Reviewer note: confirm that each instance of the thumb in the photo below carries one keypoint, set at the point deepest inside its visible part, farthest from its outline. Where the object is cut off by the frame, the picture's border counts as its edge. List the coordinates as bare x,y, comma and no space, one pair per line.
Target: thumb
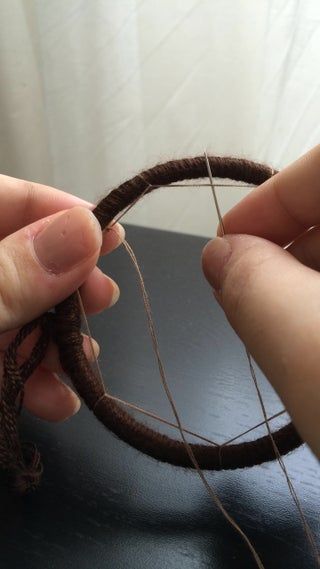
43,263
273,303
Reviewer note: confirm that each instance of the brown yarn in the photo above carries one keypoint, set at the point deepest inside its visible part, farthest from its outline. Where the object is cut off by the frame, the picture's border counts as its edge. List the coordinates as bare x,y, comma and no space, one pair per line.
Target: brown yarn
21,460
65,328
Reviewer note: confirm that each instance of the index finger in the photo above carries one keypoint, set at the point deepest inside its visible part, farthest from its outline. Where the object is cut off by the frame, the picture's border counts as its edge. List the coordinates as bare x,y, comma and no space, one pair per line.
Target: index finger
23,203
284,206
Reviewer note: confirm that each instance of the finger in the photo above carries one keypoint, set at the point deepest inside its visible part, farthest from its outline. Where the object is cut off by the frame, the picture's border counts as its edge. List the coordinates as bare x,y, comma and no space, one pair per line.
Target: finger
98,292
112,238
45,262
48,398
307,248
272,302
51,360
23,203
284,206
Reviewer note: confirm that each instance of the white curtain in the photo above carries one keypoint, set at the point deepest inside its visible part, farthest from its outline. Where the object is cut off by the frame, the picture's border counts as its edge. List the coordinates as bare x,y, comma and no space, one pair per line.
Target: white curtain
92,92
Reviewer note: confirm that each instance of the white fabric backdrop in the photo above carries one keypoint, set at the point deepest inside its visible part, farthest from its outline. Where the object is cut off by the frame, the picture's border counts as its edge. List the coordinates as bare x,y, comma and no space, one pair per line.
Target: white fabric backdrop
91,92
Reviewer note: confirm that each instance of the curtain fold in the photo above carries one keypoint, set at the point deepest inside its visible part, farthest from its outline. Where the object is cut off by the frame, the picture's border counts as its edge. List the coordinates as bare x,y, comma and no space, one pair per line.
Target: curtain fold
91,92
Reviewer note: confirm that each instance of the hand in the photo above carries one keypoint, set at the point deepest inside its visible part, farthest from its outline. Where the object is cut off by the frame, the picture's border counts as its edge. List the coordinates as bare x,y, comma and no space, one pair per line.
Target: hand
271,296
50,246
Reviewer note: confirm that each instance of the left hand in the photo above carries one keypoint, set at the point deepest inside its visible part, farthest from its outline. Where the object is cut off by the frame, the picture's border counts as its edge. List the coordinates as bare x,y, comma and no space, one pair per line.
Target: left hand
29,286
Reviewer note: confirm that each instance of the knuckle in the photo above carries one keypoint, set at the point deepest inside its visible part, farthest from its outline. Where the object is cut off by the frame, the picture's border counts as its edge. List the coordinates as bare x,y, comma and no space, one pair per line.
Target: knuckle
242,281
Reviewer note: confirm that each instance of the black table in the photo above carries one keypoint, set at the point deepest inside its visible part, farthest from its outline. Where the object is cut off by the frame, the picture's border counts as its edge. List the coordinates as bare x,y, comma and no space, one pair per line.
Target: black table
104,505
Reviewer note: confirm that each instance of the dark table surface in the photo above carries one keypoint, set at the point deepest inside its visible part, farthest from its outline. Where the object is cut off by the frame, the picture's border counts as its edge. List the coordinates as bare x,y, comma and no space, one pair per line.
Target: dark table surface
104,505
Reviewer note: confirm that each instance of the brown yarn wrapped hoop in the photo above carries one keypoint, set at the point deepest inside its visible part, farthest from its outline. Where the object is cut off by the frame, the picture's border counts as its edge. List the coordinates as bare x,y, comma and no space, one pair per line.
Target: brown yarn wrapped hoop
73,360
64,326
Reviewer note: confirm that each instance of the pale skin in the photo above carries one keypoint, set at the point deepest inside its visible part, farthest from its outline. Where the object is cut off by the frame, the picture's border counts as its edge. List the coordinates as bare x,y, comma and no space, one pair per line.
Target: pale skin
270,296
28,289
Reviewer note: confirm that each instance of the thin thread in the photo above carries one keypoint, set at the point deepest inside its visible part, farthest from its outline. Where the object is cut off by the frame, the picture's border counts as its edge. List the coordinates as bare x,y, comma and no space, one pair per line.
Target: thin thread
153,186
167,390
130,206
153,416
202,185
145,411
95,359
306,527
253,428
168,393
292,490
174,426
64,326
216,203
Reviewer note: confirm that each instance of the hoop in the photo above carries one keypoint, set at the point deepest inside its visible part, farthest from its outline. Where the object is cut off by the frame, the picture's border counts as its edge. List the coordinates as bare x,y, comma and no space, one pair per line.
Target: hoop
68,335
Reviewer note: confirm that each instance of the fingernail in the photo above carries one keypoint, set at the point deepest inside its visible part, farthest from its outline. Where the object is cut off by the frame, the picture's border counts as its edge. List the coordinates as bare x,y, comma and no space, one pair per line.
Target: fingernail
67,399
215,255
217,296
120,231
220,230
115,294
75,405
67,240
116,236
88,343
96,347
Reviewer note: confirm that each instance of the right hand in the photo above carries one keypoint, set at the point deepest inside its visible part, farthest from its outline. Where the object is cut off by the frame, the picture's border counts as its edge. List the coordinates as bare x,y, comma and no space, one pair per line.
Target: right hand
271,296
